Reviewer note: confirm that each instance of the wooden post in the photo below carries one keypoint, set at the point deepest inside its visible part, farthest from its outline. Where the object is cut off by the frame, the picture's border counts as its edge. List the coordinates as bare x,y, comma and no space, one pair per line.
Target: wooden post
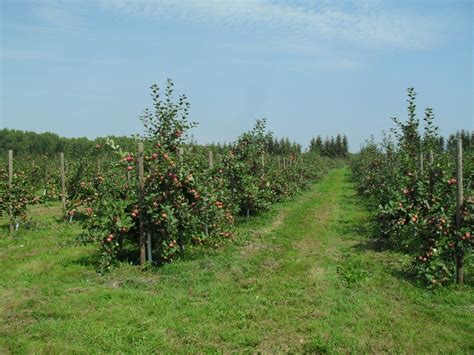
284,163
10,186
279,163
63,181
421,163
459,208
99,166
141,172
211,159
263,164
46,177
301,167
148,247
211,166
431,157
180,158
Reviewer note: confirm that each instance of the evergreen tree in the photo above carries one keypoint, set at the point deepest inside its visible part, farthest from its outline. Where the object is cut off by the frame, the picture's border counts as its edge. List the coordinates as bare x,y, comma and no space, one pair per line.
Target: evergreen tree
345,146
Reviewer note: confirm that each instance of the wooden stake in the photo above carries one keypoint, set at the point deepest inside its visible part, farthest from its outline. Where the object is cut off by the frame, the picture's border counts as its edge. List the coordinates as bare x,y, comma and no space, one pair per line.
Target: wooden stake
301,167
421,163
10,185
459,208
211,159
431,157
141,221
148,246
63,181
263,164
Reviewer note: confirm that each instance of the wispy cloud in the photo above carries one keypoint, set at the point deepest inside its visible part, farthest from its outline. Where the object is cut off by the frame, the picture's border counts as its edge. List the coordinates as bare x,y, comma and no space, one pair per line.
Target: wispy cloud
48,17
362,22
303,57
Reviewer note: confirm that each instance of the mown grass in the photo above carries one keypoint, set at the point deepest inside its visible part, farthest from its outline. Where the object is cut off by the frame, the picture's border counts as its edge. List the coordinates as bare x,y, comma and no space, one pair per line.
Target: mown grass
303,278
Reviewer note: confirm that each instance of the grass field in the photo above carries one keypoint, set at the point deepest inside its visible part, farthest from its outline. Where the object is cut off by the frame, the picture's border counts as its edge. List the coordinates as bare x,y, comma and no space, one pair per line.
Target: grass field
303,278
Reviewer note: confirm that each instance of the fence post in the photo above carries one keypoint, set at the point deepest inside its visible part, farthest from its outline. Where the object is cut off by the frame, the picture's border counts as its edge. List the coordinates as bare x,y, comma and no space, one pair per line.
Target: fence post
459,207
10,186
63,181
431,157
263,164
211,159
141,205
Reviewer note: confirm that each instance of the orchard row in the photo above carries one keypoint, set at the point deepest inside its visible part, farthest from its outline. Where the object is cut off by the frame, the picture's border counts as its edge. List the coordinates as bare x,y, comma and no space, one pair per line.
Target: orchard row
424,198
166,196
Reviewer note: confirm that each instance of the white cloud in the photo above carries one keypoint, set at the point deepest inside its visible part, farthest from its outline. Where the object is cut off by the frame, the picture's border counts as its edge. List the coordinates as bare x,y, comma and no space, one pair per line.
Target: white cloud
361,22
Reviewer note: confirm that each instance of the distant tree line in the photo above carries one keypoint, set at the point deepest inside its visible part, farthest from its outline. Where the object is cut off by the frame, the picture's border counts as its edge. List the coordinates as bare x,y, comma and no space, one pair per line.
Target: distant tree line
333,147
25,143
442,144
467,140
282,146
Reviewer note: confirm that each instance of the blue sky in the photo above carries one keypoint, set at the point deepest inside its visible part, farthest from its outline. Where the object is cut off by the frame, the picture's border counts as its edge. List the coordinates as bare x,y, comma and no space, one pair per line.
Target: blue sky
84,68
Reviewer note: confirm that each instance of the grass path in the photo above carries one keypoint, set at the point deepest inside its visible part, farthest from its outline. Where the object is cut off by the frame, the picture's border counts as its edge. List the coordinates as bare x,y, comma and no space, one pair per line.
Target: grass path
303,278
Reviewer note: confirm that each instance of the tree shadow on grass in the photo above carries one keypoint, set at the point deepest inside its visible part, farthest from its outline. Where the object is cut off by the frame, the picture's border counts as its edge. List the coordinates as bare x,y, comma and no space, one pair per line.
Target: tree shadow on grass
88,260
126,255
4,229
363,230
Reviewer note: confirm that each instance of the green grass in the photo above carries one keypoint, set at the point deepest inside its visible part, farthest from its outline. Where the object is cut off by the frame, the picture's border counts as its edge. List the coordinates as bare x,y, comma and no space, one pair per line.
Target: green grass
303,278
